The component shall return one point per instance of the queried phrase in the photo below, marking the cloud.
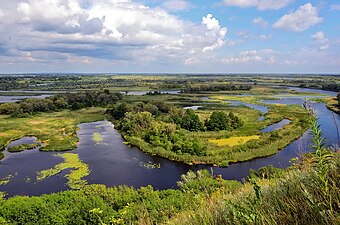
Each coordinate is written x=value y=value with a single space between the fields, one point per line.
x=247 y=35
x=324 y=47
x=319 y=36
x=259 y=4
x=260 y=21
x=300 y=20
x=252 y=56
x=177 y=5
x=214 y=29
x=114 y=30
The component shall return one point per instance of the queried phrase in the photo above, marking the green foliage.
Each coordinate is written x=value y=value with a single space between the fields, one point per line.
x=72 y=101
x=221 y=121
x=266 y=172
x=160 y=134
x=23 y=147
x=203 y=182
x=190 y=121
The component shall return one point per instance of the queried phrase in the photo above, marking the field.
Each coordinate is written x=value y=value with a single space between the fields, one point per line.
x=233 y=141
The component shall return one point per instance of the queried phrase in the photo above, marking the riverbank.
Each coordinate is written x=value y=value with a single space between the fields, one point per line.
x=332 y=104
x=57 y=131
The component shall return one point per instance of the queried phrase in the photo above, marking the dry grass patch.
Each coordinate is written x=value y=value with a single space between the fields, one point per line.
x=233 y=141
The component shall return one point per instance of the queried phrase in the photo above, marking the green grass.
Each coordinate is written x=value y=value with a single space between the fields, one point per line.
x=56 y=131
x=79 y=170
x=23 y=147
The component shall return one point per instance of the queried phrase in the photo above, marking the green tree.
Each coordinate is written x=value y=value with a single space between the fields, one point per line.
x=234 y=121
x=218 y=121
x=191 y=121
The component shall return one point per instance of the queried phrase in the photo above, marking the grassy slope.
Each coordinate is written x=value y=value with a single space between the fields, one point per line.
x=300 y=196
x=56 y=130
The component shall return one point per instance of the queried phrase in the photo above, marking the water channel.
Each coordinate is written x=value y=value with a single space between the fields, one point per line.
x=113 y=163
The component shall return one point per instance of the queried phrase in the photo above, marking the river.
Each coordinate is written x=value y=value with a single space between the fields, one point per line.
x=113 y=163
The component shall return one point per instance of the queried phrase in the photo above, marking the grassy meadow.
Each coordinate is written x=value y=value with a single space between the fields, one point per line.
x=57 y=131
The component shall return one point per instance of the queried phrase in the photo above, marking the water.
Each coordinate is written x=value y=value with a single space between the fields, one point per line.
x=276 y=126
x=298 y=89
x=195 y=107
x=113 y=163
x=263 y=109
x=4 y=99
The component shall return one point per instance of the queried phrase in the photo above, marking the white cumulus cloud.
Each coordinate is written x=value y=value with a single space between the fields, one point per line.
x=300 y=20
x=319 y=36
x=114 y=30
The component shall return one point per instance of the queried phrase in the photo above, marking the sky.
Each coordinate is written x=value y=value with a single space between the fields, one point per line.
x=170 y=36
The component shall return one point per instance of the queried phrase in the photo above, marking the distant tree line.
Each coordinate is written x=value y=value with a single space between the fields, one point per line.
x=61 y=101
x=220 y=87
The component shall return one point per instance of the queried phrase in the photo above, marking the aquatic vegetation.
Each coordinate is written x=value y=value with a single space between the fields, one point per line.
x=23 y=147
x=78 y=170
x=6 y=179
x=97 y=137
x=233 y=141
x=151 y=165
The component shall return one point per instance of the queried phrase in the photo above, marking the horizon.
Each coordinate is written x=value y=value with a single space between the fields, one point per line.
x=170 y=37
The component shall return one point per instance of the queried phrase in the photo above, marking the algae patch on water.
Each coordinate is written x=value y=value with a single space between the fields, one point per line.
x=5 y=180
x=233 y=141
x=71 y=161
x=97 y=137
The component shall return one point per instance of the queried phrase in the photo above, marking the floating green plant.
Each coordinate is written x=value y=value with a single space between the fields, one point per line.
x=78 y=170
x=97 y=137
x=150 y=165
x=5 y=180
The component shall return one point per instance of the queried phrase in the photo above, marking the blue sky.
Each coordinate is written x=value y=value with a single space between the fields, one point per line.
x=171 y=36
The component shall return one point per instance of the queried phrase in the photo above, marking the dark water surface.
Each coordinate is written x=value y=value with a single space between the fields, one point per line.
x=276 y=126
x=4 y=99
x=113 y=163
